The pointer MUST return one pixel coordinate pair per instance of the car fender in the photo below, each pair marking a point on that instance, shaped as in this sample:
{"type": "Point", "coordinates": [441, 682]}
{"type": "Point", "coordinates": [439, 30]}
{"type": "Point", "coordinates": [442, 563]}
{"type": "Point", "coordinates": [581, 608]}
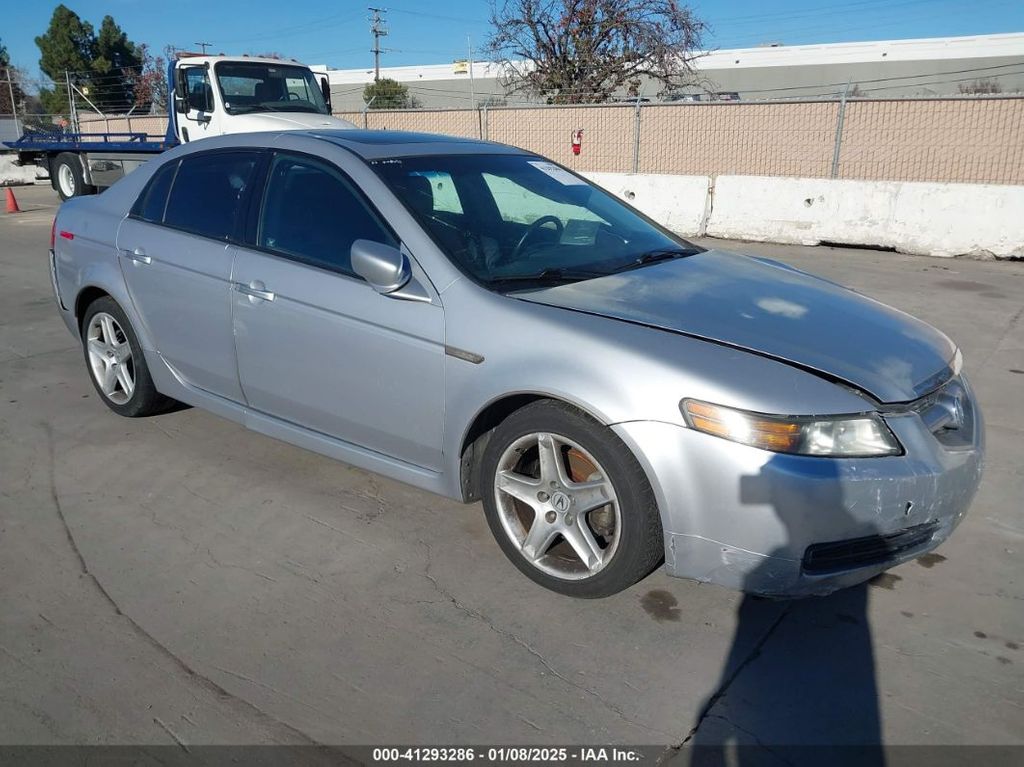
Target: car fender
{"type": "Point", "coordinates": [614, 371]}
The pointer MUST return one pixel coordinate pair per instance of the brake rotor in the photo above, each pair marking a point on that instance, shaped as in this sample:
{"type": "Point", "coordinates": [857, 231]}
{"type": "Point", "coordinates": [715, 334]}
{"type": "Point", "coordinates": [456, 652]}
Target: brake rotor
{"type": "Point", "coordinates": [582, 469]}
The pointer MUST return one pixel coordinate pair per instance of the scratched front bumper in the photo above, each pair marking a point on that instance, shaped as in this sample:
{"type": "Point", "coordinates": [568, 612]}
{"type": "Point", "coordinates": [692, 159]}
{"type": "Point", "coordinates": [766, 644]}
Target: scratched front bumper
{"type": "Point", "coordinates": [743, 518]}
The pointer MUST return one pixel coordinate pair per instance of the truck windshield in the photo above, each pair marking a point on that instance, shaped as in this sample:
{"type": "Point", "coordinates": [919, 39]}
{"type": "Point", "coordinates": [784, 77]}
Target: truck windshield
{"type": "Point", "coordinates": [251, 86]}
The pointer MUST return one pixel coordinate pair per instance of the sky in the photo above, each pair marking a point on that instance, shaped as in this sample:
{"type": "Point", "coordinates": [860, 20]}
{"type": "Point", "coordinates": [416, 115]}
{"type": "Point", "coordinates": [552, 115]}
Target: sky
{"type": "Point", "coordinates": [336, 32]}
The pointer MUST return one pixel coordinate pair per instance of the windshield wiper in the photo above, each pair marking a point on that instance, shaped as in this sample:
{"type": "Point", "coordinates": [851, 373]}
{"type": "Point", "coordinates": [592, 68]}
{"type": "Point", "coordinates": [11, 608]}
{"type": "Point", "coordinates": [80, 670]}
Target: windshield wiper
{"type": "Point", "coordinates": [654, 256]}
{"type": "Point", "coordinates": [554, 276]}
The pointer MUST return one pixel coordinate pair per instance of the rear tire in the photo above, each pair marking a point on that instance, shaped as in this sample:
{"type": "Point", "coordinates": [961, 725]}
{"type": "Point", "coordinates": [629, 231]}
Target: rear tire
{"type": "Point", "coordinates": [116, 365]}
{"type": "Point", "coordinates": [68, 178]}
{"type": "Point", "coordinates": [568, 502]}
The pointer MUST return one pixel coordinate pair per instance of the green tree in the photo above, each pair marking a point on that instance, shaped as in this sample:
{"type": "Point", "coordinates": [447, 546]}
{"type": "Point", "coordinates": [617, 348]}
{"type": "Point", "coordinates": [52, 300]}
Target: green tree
{"type": "Point", "coordinates": [68, 45]}
{"type": "Point", "coordinates": [106, 67]}
{"type": "Point", "coordinates": [117, 66]}
{"type": "Point", "coordinates": [386, 93]}
{"type": "Point", "coordinates": [13, 76]}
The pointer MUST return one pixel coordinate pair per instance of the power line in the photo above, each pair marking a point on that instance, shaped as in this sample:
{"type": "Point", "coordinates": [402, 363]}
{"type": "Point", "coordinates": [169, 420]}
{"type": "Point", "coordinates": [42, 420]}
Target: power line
{"type": "Point", "coordinates": [332, 20]}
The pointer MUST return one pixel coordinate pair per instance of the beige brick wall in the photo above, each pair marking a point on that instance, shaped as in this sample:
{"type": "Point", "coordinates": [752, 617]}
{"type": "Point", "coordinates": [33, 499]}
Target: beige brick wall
{"type": "Point", "coordinates": [975, 140]}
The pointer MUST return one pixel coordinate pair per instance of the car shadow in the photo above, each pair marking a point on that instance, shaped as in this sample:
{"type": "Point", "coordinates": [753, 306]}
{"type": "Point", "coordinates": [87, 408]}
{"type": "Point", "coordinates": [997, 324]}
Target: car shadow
{"type": "Point", "coordinates": [799, 684]}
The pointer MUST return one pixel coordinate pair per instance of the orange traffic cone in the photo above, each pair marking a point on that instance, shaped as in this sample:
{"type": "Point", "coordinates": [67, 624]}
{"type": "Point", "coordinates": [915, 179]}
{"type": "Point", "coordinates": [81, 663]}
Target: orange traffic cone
{"type": "Point", "coordinates": [12, 203]}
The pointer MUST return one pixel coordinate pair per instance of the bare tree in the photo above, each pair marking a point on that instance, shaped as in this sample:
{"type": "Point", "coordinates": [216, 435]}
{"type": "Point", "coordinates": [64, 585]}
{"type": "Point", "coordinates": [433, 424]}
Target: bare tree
{"type": "Point", "coordinates": [583, 51]}
{"type": "Point", "coordinates": [151, 81]}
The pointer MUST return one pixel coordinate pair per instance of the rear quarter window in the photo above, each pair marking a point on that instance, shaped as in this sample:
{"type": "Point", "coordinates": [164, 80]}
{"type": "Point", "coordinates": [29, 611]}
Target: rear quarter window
{"type": "Point", "coordinates": [206, 197]}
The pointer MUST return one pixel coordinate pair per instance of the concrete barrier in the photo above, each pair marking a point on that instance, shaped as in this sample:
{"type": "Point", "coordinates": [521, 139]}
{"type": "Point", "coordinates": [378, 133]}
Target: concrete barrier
{"type": "Point", "coordinates": [920, 218]}
{"type": "Point", "coordinates": [680, 203]}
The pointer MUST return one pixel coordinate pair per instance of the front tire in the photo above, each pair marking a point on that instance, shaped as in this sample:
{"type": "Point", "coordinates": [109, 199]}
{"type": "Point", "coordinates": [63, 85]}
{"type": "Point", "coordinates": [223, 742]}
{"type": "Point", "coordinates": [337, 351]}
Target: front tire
{"type": "Point", "coordinates": [116, 364]}
{"type": "Point", "coordinates": [568, 502]}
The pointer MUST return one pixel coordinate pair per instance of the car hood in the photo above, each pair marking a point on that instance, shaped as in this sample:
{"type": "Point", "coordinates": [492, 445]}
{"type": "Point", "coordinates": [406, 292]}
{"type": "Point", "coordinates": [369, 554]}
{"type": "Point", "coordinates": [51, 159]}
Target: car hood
{"type": "Point", "coordinates": [775, 310]}
{"type": "Point", "coordinates": [271, 121]}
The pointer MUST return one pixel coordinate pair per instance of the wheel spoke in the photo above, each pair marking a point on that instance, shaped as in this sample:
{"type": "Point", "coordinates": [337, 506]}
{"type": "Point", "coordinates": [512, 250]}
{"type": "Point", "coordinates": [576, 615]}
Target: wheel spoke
{"type": "Point", "coordinates": [124, 377]}
{"type": "Point", "coordinates": [109, 334]}
{"type": "Point", "coordinates": [97, 348]}
{"type": "Point", "coordinates": [584, 544]}
{"type": "Point", "coordinates": [589, 495]}
{"type": "Point", "coordinates": [520, 487]}
{"type": "Point", "coordinates": [108, 379]}
{"type": "Point", "coordinates": [552, 466]}
{"type": "Point", "coordinates": [538, 539]}
{"type": "Point", "coordinates": [123, 352]}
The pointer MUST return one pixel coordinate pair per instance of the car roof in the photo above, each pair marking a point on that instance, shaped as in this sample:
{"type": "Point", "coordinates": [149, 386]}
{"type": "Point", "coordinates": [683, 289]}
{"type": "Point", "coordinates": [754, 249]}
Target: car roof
{"type": "Point", "coordinates": [379, 144]}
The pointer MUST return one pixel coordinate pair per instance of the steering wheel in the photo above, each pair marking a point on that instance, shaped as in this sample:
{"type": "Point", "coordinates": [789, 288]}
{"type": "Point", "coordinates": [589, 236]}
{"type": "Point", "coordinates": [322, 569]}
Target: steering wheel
{"type": "Point", "coordinates": [532, 229]}
{"type": "Point", "coordinates": [294, 96]}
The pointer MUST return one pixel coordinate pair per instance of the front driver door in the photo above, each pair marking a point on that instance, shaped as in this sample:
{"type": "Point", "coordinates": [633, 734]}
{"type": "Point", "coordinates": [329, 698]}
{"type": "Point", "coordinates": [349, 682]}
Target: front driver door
{"type": "Point", "coordinates": [203, 118]}
{"type": "Point", "coordinates": [316, 345]}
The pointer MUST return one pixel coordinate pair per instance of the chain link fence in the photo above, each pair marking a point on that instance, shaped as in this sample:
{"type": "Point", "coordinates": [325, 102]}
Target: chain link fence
{"type": "Point", "coordinates": [971, 139]}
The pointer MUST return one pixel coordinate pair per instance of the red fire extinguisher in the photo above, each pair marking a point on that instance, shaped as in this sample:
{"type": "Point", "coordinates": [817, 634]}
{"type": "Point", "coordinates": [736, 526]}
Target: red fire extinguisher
{"type": "Point", "coordinates": [577, 140]}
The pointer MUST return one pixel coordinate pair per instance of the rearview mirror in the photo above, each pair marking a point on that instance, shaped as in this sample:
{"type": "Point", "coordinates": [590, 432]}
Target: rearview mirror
{"type": "Point", "coordinates": [384, 267]}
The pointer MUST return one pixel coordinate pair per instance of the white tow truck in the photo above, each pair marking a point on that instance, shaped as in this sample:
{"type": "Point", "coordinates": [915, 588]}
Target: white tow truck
{"type": "Point", "coordinates": [209, 96]}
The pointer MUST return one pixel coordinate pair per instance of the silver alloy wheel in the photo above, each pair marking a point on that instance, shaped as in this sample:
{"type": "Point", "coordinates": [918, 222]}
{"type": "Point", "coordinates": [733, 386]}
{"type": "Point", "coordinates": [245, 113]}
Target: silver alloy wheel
{"type": "Point", "coordinates": [110, 358]}
{"type": "Point", "coordinates": [66, 179]}
{"type": "Point", "coordinates": [557, 506]}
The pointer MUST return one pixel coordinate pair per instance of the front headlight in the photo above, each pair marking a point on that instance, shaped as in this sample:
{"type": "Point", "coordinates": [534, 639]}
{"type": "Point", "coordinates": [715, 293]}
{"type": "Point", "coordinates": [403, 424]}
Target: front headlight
{"type": "Point", "coordinates": [845, 436]}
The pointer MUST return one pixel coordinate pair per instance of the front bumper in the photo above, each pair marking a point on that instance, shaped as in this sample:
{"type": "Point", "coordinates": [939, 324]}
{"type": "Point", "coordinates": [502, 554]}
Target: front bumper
{"type": "Point", "coordinates": [745, 518]}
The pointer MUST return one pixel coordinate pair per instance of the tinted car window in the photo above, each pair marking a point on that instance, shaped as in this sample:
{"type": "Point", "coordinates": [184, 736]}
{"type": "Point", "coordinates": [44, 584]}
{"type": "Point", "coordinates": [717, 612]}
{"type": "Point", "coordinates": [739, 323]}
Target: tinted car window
{"type": "Point", "coordinates": [207, 193]}
{"type": "Point", "coordinates": [151, 203]}
{"type": "Point", "coordinates": [310, 211]}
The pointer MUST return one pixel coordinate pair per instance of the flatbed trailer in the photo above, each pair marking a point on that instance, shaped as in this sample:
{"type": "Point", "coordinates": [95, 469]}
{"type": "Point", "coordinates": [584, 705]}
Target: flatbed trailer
{"type": "Point", "coordinates": [87, 161]}
{"type": "Point", "coordinates": [256, 94]}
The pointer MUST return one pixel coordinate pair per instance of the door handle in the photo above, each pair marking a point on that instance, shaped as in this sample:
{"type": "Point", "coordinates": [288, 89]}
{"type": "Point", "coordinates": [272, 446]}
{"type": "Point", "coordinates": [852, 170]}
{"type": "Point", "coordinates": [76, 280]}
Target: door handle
{"type": "Point", "coordinates": [138, 256]}
{"type": "Point", "coordinates": [255, 289]}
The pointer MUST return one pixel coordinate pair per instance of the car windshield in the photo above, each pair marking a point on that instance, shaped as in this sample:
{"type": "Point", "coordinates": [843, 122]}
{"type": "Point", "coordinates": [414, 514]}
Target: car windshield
{"type": "Point", "coordinates": [516, 222]}
{"type": "Point", "coordinates": [251, 86]}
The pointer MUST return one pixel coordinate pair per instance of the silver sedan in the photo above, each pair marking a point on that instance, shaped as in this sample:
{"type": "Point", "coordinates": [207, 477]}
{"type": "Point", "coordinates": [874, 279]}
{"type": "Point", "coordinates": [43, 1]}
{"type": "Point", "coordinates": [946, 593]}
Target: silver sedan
{"type": "Point", "coordinates": [482, 323]}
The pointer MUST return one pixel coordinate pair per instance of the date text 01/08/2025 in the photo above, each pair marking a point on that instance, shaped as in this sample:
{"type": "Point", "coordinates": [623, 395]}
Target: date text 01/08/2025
{"type": "Point", "coordinates": [507, 754]}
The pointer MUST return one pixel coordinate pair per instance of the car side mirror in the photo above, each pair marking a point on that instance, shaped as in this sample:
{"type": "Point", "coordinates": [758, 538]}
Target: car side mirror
{"type": "Point", "coordinates": [385, 268]}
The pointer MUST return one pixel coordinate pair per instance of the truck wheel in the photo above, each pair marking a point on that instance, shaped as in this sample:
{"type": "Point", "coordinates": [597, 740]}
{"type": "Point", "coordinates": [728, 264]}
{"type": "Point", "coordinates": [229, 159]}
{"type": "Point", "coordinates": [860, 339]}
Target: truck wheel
{"type": "Point", "coordinates": [68, 180]}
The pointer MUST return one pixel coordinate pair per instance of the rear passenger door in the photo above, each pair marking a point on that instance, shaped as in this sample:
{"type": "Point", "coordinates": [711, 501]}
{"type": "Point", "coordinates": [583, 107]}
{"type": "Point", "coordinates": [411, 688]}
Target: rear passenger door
{"type": "Point", "coordinates": [176, 258]}
{"type": "Point", "coordinates": [317, 346]}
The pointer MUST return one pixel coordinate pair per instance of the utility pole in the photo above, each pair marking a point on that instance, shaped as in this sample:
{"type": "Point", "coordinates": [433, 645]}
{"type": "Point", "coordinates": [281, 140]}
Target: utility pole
{"type": "Point", "coordinates": [378, 30]}
{"type": "Point", "coordinates": [472, 88]}
{"type": "Point", "coordinates": [204, 46]}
